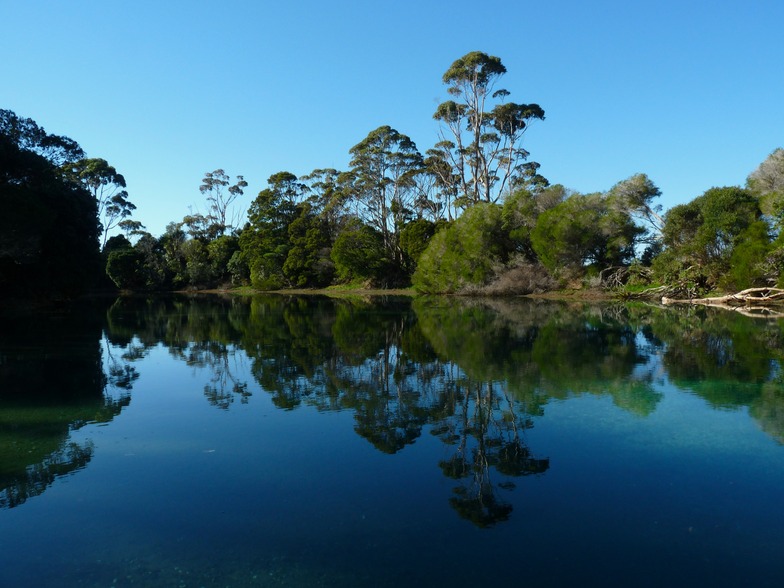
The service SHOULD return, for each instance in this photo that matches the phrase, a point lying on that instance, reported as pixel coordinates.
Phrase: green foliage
(769, 176)
(220, 195)
(475, 67)
(635, 195)
(416, 235)
(115, 243)
(464, 253)
(767, 183)
(748, 260)
(308, 263)
(485, 157)
(106, 186)
(197, 263)
(125, 267)
(584, 230)
(158, 274)
(700, 237)
(220, 252)
(171, 244)
(521, 210)
(383, 167)
(238, 269)
(49, 228)
(265, 239)
(359, 253)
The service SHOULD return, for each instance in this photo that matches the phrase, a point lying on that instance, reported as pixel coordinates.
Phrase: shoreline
(575, 295)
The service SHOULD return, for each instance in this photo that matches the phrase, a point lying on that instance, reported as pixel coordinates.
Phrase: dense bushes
(465, 252)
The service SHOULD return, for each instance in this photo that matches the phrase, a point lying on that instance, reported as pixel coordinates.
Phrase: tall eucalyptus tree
(384, 165)
(107, 186)
(482, 144)
(220, 195)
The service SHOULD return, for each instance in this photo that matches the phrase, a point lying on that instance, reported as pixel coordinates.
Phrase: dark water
(283, 441)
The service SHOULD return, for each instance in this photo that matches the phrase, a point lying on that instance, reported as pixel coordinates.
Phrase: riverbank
(582, 294)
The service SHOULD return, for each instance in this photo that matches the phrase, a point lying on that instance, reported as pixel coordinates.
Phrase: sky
(689, 92)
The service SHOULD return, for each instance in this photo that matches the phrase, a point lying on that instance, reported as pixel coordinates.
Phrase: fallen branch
(647, 294)
(752, 297)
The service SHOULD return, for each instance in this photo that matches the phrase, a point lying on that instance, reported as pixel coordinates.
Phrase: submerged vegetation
(471, 215)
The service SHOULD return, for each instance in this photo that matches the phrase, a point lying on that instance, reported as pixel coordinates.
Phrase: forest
(471, 215)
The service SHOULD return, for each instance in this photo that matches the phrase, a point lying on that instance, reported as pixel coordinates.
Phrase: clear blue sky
(689, 92)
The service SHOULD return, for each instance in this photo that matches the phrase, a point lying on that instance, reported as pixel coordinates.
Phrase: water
(281, 441)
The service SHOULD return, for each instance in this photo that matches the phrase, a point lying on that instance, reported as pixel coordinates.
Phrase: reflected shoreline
(475, 373)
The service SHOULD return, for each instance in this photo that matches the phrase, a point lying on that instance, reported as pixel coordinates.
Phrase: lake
(309, 441)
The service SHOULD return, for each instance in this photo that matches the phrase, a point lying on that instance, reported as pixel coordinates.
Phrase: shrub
(359, 253)
(465, 253)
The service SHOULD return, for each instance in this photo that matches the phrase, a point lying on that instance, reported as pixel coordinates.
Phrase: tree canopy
(49, 226)
(481, 144)
(473, 215)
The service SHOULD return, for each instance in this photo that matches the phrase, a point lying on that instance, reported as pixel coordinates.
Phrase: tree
(131, 228)
(767, 183)
(749, 260)
(769, 176)
(157, 267)
(201, 228)
(220, 252)
(171, 245)
(220, 196)
(359, 253)
(107, 187)
(27, 136)
(700, 236)
(383, 166)
(416, 235)
(265, 239)
(125, 267)
(465, 253)
(49, 228)
(482, 144)
(585, 230)
(308, 262)
(635, 196)
(329, 192)
(521, 210)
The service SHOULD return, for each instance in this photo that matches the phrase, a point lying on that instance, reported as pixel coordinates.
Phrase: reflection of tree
(730, 360)
(53, 382)
(722, 356)
(543, 350)
(220, 359)
(474, 372)
(287, 340)
(768, 408)
(200, 331)
(39, 476)
(376, 377)
(120, 373)
(486, 431)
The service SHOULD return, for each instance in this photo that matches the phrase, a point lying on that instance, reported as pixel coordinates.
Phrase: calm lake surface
(284, 441)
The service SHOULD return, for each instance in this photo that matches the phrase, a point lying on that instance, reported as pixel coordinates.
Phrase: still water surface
(282, 441)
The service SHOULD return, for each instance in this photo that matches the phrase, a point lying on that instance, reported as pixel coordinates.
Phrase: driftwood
(750, 302)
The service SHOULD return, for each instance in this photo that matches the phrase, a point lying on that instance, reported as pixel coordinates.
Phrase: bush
(359, 253)
(747, 263)
(465, 253)
(125, 267)
(522, 278)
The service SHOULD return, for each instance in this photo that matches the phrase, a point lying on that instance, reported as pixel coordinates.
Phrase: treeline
(367, 225)
(57, 207)
(470, 215)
